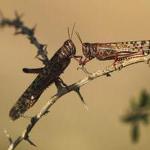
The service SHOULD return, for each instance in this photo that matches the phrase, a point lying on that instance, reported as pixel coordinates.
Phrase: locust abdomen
(30, 96)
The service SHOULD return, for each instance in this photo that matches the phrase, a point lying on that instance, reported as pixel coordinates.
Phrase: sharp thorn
(18, 15)
(81, 98)
(34, 28)
(30, 142)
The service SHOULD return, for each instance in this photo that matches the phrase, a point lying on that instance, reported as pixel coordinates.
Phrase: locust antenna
(72, 29)
(79, 37)
(68, 33)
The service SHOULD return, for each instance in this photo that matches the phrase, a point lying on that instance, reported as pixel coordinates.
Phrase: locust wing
(30, 96)
(130, 46)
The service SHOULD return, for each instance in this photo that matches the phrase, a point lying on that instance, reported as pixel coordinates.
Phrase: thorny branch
(20, 28)
(71, 88)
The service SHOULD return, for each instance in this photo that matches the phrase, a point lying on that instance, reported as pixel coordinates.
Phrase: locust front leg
(32, 70)
(81, 61)
(82, 64)
(78, 59)
(59, 83)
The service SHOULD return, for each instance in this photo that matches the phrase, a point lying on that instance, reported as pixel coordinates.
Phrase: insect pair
(51, 72)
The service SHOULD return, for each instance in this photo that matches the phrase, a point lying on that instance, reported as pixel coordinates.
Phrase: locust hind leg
(121, 56)
(124, 55)
(32, 70)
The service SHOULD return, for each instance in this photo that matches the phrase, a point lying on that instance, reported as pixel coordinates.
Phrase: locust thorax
(69, 48)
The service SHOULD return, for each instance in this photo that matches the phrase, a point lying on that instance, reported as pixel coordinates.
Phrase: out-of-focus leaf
(135, 132)
(144, 99)
(145, 119)
(131, 118)
(134, 105)
(148, 102)
(139, 113)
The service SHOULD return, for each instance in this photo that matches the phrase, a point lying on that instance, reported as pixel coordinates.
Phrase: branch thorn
(30, 142)
(18, 16)
(77, 90)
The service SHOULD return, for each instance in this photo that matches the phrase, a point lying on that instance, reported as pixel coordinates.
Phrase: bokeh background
(69, 126)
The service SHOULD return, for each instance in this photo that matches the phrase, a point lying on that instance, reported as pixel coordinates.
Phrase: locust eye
(85, 49)
(84, 45)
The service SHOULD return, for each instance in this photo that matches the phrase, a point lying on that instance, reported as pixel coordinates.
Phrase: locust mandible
(46, 76)
(116, 51)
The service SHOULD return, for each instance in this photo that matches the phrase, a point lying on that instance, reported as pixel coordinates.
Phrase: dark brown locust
(46, 76)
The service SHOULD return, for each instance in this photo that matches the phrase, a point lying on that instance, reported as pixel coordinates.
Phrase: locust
(117, 51)
(47, 75)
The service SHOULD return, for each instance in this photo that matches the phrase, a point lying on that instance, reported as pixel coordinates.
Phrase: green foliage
(135, 132)
(144, 100)
(139, 113)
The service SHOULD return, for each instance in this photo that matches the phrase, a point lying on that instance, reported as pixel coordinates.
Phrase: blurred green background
(69, 126)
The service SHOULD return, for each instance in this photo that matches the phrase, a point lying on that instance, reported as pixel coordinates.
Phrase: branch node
(33, 119)
(108, 74)
(46, 112)
(60, 84)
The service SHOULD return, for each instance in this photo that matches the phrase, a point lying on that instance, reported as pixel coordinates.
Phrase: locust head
(69, 47)
(86, 47)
